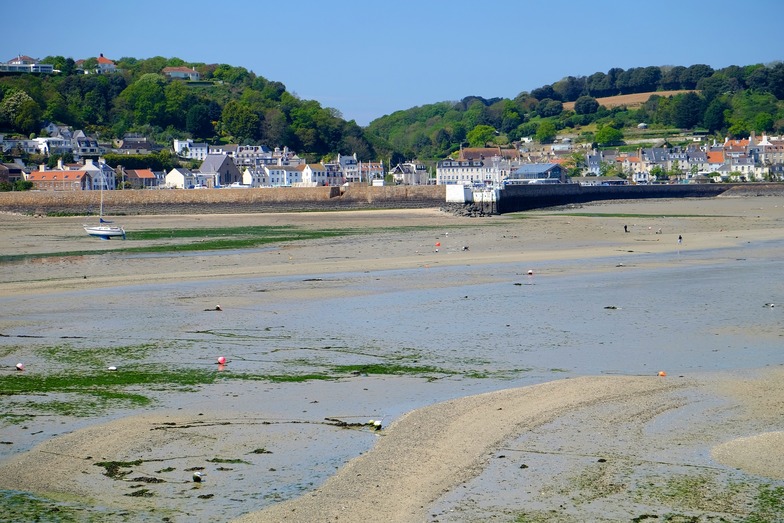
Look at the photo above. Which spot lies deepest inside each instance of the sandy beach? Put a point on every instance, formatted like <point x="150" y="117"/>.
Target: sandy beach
<point x="540" y="397"/>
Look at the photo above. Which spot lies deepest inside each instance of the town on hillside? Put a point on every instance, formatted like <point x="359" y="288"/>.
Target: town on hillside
<point x="81" y="165"/>
<point x="753" y="159"/>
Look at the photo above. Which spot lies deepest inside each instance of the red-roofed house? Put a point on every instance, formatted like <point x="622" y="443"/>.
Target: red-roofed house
<point x="105" y="65"/>
<point x="60" y="180"/>
<point x="141" y="178"/>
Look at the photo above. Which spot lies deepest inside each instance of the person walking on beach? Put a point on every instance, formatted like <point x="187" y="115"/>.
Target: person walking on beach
<point x="625" y="228"/>
<point x="680" y="239"/>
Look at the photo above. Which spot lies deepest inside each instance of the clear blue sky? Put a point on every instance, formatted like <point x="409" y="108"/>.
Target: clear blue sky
<point x="368" y="58"/>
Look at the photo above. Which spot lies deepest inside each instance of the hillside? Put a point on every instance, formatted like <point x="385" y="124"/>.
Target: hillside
<point x="230" y="104"/>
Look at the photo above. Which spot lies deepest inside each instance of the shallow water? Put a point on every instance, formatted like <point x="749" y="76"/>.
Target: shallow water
<point x="486" y="328"/>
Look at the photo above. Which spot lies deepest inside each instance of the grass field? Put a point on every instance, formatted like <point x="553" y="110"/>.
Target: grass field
<point x="629" y="100"/>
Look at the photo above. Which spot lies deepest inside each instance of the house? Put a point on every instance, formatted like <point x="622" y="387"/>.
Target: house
<point x="60" y="180"/>
<point x="371" y="170"/>
<point x="284" y="175"/>
<point x="409" y="173"/>
<point x="221" y="169"/>
<point x="180" y="178"/>
<point x="100" y="174"/>
<point x="184" y="73"/>
<point x="465" y="172"/>
<point x="318" y="174"/>
<point x="105" y="65"/>
<point x="191" y="150"/>
<point x="53" y="145"/>
<point x="18" y="147"/>
<point x="25" y="64"/>
<point x="350" y="168"/>
<point x="254" y="177"/>
<point x="140" y="178"/>
<point x="11" y="172"/>
<point x="83" y="146"/>
<point x="537" y="173"/>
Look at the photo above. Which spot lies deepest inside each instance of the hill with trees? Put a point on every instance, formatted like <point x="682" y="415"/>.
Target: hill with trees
<point x="233" y="105"/>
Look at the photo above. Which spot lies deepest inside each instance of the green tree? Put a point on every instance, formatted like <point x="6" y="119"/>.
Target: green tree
<point x="687" y="110"/>
<point x="657" y="173"/>
<point x="480" y="135"/>
<point x="575" y="164"/>
<point x="240" y="121"/>
<point x="20" y="111"/>
<point x="586" y="105"/>
<point x="146" y="100"/>
<point x="713" y="118"/>
<point x="198" y="123"/>
<point x="608" y="135"/>
<point x="545" y="132"/>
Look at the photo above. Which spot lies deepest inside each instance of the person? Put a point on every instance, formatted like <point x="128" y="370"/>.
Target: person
<point x="680" y="239"/>
<point x="625" y="228"/>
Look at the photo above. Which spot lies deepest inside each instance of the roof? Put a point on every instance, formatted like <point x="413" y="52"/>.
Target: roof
<point x="103" y="60"/>
<point x="535" y="168"/>
<point x="212" y="163"/>
<point x="181" y="69"/>
<point x="474" y="153"/>
<point x="716" y="157"/>
<point x="140" y="173"/>
<point x="22" y="59"/>
<point x="56" y="176"/>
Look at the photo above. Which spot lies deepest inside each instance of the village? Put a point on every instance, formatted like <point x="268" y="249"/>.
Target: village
<point x="753" y="159"/>
<point x="694" y="159"/>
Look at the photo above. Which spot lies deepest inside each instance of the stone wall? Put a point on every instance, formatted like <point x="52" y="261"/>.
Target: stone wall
<point x="525" y="197"/>
<point x="222" y="201"/>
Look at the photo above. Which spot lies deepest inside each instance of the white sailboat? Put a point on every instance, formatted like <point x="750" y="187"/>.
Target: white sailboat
<point x="105" y="230"/>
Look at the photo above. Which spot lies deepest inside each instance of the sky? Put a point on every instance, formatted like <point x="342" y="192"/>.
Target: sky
<point x="369" y="58"/>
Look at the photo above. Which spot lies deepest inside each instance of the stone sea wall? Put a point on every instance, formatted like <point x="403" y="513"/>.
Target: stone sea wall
<point x="290" y="199"/>
<point x="222" y="201"/>
<point x="526" y="197"/>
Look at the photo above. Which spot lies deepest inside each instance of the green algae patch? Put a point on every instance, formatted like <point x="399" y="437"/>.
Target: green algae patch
<point x="114" y="469"/>
<point x="389" y="369"/>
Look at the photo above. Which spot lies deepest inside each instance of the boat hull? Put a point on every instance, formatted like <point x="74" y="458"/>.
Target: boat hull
<point x="105" y="232"/>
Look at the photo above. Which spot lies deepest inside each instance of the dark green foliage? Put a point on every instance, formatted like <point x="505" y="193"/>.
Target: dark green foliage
<point x="586" y="105"/>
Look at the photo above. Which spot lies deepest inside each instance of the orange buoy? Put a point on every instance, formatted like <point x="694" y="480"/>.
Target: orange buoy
<point x="662" y="373"/>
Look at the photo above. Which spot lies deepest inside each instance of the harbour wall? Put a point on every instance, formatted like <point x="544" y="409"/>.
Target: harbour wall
<point x="515" y="198"/>
<point x="291" y="199"/>
<point x="223" y="201"/>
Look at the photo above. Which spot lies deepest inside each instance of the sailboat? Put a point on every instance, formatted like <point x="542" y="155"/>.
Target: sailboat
<point x="105" y="230"/>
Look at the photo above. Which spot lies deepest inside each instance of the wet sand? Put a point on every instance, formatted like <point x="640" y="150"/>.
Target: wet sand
<point x="439" y="462"/>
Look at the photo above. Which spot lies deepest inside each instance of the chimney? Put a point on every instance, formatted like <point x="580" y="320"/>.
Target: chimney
<point x="60" y="164"/>
<point x="42" y="167"/>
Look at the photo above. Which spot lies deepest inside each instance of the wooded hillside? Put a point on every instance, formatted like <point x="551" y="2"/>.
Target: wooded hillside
<point x="233" y="105"/>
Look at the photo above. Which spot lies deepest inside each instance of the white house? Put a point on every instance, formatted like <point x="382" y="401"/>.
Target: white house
<point x="180" y="178"/>
<point x="101" y="174"/>
<point x="254" y="177"/>
<point x="318" y="174"/>
<point x="284" y="175"/>
<point x="350" y="167"/>
<point x="410" y="173"/>
<point x="184" y="73"/>
<point x="191" y="150"/>
<point x="466" y="172"/>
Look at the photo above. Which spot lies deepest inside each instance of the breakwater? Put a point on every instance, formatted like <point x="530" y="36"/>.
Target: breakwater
<point x="526" y="197"/>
